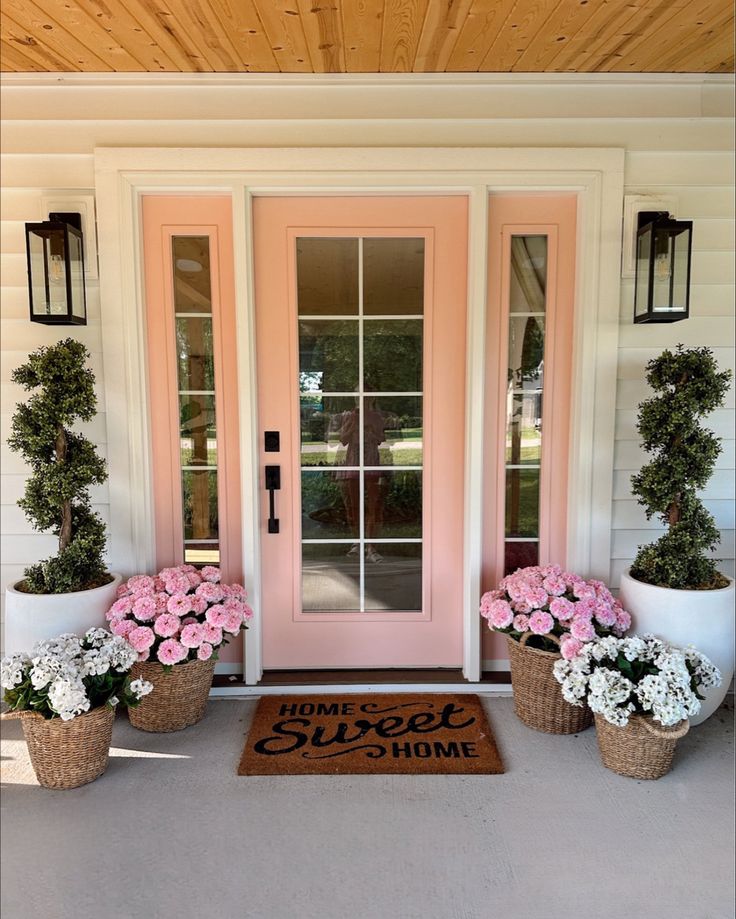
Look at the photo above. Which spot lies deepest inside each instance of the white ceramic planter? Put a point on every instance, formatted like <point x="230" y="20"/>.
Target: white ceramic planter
<point x="703" y="618"/>
<point x="36" y="617"/>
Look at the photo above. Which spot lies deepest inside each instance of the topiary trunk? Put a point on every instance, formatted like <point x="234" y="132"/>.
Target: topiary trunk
<point x="63" y="466"/>
<point x="689" y="386"/>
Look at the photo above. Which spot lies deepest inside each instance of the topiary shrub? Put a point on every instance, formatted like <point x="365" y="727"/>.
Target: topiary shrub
<point x="689" y="385"/>
<point x="64" y="465"/>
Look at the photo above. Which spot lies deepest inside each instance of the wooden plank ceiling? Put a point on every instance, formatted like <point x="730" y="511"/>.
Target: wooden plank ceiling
<point x="367" y="36"/>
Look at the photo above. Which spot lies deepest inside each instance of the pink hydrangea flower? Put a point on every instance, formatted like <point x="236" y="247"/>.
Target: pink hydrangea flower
<point x="179" y="604"/>
<point x="158" y="583"/>
<point x="141" y="638"/>
<point x="582" y="629"/>
<point x="570" y="647"/>
<point x="191" y="635"/>
<point x="141" y="584"/>
<point x="623" y="620"/>
<point x="171" y="651"/>
<point x="583" y="591"/>
<point x="247" y="612"/>
<point x="562" y="609"/>
<point x="541" y="623"/>
<point x="605" y="615"/>
<point x="536" y="597"/>
<point x="215" y="615"/>
<point x="521" y="623"/>
<point x="189" y="620"/>
<point x="210" y="592"/>
<point x="199" y="605"/>
<point x="167" y="625"/>
<point x="211" y="573"/>
<point x="237" y="590"/>
<point x="233" y="621"/>
<point x="194" y="579"/>
<point x="554" y="585"/>
<point x="144" y="608"/>
<point x="500" y="614"/>
<point x="585" y="609"/>
<point x="162" y="600"/>
<point x="211" y="634"/>
<point x="177" y="583"/>
<point x="204" y="651"/>
<point x="522" y="607"/>
<point x="122" y="627"/>
<point x="121" y="607"/>
<point x="121" y="591"/>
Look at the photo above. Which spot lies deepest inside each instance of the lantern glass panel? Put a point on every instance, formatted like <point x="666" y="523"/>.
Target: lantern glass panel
<point x="662" y="271"/>
<point x="48" y="272"/>
<point x="643" y="249"/>
<point x="76" y="271"/>
<point x="680" y="266"/>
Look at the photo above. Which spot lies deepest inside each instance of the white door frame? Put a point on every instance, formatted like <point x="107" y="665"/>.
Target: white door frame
<point x="594" y="174"/>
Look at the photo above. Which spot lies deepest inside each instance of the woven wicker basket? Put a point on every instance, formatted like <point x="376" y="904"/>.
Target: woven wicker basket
<point x="538" y="696"/>
<point x="642" y="749"/>
<point x="179" y="697"/>
<point x="67" y="754"/>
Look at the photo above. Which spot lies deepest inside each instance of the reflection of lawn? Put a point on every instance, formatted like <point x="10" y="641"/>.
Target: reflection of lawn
<point x="525" y="455"/>
<point x="403" y="456"/>
<point x="187" y="454"/>
<point x="523" y="518"/>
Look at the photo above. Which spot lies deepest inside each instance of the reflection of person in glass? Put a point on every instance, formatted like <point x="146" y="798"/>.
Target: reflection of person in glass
<point x="374" y="433"/>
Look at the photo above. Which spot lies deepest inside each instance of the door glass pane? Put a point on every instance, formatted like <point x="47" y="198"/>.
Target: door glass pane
<point x="393" y="424"/>
<point x="524" y="428"/>
<point x="197" y="426"/>
<point x="200" y="504"/>
<point x="330" y="578"/>
<point x="192" y="282"/>
<point x="329" y="430"/>
<point x="526" y="351"/>
<point x="330" y="504"/>
<point x="328" y="356"/>
<point x="393" y="277"/>
<point x="392" y="355"/>
<point x="351" y="419"/>
<point x="393" y="576"/>
<point x="393" y="504"/>
<point x="528" y="275"/>
<point x="522" y="502"/>
<point x="520" y="555"/>
<point x="327" y="276"/>
<point x="196" y="354"/>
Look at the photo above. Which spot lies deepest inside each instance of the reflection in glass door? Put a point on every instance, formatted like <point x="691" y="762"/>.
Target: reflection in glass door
<point x="360" y="305"/>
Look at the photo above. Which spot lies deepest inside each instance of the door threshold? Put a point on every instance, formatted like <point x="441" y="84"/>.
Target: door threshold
<point x="283" y="682"/>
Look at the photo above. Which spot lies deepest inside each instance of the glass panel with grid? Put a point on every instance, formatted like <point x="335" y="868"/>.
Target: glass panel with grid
<point x="361" y="333"/>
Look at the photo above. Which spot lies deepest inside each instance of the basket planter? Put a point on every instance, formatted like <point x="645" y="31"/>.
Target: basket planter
<point x="538" y="699"/>
<point x="67" y="754"/>
<point x="642" y="749"/>
<point x="179" y="697"/>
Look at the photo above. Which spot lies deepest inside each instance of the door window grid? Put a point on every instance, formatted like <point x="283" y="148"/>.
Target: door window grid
<point x="524" y="413"/>
<point x="199" y="504"/>
<point x="359" y="394"/>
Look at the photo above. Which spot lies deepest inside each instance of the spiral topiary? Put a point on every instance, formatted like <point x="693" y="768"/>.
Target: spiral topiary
<point x="64" y="464"/>
<point x="689" y="385"/>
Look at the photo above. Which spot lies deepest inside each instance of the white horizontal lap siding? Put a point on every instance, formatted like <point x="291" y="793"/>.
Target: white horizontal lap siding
<point x="23" y="186"/>
<point x="702" y="183"/>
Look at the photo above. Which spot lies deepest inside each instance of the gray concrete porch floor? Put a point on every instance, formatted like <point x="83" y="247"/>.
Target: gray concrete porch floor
<point x="171" y="832"/>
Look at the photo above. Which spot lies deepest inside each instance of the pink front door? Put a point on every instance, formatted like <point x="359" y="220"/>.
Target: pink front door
<point x="360" y="326"/>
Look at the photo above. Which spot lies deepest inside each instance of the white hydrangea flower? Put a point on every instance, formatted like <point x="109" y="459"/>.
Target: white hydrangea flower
<point x="68" y="698"/>
<point x="12" y="669"/>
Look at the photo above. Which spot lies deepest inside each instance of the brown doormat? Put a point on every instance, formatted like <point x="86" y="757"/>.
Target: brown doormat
<point x="381" y="733"/>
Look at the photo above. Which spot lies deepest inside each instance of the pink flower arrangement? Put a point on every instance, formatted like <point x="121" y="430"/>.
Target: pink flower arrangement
<point x="179" y="615"/>
<point x="547" y="601"/>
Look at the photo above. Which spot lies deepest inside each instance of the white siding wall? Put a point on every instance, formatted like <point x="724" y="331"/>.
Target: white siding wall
<point x="677" y="133"/>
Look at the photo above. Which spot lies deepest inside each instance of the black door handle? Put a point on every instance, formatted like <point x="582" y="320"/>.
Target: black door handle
<point x="273" y="483"/>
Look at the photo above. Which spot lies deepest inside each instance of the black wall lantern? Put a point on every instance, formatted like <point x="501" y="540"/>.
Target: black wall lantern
<point x="663" y="248"/>
<point x="56" y="270"/>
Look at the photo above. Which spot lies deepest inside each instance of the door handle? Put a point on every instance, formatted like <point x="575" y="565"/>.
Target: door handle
<point x="273" y="483"/>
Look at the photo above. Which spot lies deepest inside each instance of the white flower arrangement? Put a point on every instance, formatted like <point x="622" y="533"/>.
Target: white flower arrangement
<point x="68" y="676"/>
<point x="619" y="677"/>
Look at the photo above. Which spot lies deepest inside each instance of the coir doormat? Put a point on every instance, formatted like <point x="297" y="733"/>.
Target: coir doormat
<point x="374" y="733"/>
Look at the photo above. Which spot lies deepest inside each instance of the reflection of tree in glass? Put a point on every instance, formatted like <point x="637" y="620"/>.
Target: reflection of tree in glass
<point x="392" y="355"/>
<point x="200" y="504"/>
<point x="328" y="352"/>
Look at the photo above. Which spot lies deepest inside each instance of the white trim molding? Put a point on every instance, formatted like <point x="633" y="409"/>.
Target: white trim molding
<point x="594" y="174"/>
